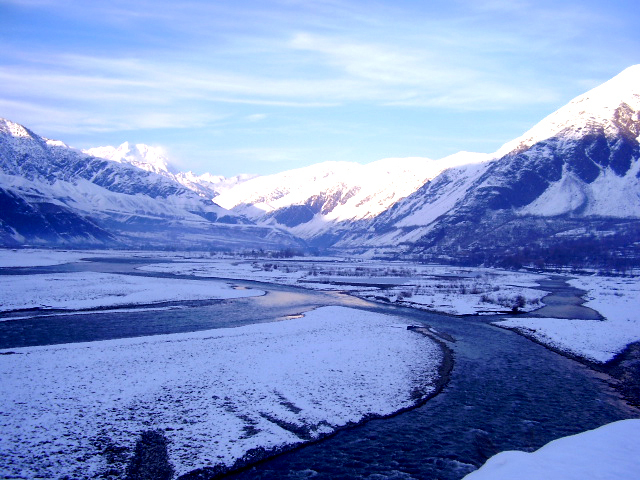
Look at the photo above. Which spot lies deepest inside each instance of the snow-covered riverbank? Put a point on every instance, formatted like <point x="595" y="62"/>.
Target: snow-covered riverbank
<point x="10" y="258"/>
<point x="441" y="288"/>
<point x="215" y="395"/>
<point x="616" y="299"/>
<point x="90" y="290"/>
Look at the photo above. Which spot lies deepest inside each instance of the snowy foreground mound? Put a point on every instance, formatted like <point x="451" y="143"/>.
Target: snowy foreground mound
<point x="77" y="409"/>
<point x="609" y="452"/>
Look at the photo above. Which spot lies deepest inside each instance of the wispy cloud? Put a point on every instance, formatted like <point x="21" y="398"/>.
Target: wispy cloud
<point x="263" y="154"/>
<point x="313" y="64"/>
<point x="256" y="117"/>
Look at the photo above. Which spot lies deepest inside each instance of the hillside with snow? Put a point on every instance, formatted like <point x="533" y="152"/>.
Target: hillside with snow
<point x="567" y="188"/>
<point x="54" y="195"/>
<point x="573" y="178"/>
<point x="154" y="159"/>
<point x="329" y="197"/>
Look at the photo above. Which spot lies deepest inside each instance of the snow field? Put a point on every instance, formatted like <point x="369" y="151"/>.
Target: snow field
<point x="36" y="257"/>
<point x="607" y="453"/>
<point x="85" y="290"/>
<point x="616" y="299"/>
<point x="215" y="394"/>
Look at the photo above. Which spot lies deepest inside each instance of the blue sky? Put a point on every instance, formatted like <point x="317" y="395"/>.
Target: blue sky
<point x="264" y="86"/>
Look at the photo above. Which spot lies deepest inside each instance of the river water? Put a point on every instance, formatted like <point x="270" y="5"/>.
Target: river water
<point x="505" y="392"/>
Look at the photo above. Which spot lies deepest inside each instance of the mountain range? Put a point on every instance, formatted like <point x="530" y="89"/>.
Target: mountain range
<point x="54" y="195"/>
<point x="568" y="190"/>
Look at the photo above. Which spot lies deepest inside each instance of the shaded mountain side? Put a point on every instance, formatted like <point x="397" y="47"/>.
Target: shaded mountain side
<point x="53" y="195"/>
<point x="571" y="182"/>
<point x="46" y="223"/>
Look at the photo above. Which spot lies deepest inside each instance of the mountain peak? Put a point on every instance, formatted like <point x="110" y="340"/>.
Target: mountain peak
<point x="139" y="155"/>
<point x="13" y="129"/>
<point x="597" y="107"/>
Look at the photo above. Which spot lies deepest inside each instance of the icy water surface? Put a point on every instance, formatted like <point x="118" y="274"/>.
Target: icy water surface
<point x="48" y="328"/>
<point x="564" y="301"/>
<point x="505" y="391"/>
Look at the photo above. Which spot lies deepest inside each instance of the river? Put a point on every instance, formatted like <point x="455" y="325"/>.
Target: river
<point x="505" y="392"/>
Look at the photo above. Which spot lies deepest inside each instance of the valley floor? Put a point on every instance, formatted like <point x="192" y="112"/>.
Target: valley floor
<point x="76" y="410"/>
<point x="265" y="389"/>
<point x="456" y="291"/>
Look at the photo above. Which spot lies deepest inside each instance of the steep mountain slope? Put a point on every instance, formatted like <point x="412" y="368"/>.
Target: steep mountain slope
<point x="322" y="201"/>
<point x="575" y="175"/>
<point x="153" y="159"/>
<point x="54" y="195"/>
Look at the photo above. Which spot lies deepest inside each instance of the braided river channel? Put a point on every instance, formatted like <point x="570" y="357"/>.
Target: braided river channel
<point x="504" y="391"/>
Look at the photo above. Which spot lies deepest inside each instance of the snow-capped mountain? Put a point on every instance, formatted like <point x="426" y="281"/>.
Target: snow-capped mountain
<point x="327" y="198"/>
<point x="570" y="184"/>
<point x="575" y="175"/>
<point x="153" y="159"/>
<point x="55" y="195"/>
<point x="145" y="157"/>
<point x="209" y="185"/>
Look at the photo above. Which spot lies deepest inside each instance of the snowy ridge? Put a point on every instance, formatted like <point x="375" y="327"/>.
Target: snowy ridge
<point x="410" y="218"/>
<point x="579" y="168"/>
<point x="576" y="170"/>
<point x="312" y="200"/>
<point x="459" y="181"/>
<point x="211" y="184"/>
<point x="57" y="195"/>
<point x="597" y="106"/>
<point x="154" y="159"/>
<point x="145" y="157"/>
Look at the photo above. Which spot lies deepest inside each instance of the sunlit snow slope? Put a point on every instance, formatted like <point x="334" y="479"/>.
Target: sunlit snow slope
<point x="154" y="159"/>
<point x="331" y="196"/>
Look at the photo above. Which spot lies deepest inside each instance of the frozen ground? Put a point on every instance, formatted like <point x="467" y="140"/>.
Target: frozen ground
<point x="67" y="410"/>
<point x="448" y="289"/>
<point x="86" y="290"/>
<point x="610" y="452"/>
<point x="26" y="257"/>
<point x="37" y="258"/>
<point x="616" y="299"/>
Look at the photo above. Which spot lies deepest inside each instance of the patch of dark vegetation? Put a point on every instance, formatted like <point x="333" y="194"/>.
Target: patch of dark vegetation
<point x="610" y="246"/>
<point x="115" y="457"/>
<point x="625" y="368"/>
<point x="150" y="459"/>
<point x="285" y="402"/>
